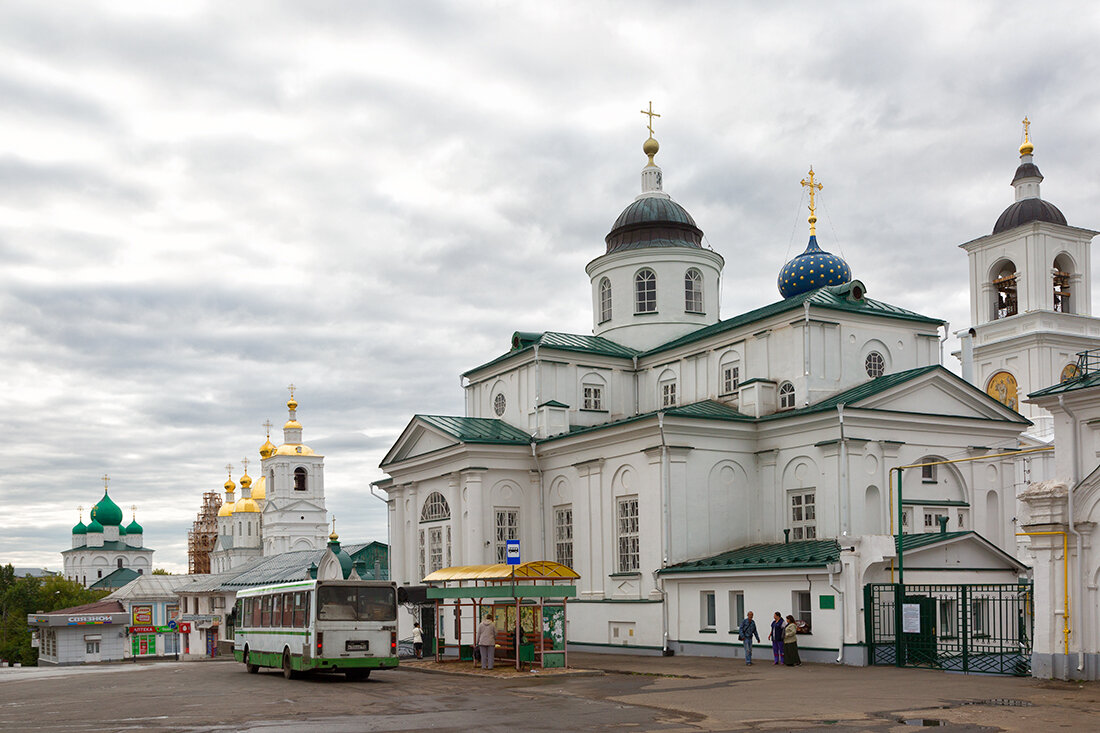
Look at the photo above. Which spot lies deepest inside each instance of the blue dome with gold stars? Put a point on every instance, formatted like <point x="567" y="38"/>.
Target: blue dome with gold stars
<point x="815" y="268"/>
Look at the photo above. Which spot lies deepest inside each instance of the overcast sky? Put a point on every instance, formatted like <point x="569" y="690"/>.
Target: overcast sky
<point x="201" y="202"/>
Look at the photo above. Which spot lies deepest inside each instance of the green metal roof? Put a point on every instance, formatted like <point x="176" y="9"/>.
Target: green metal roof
<point x="915" y="541"/>
<point x="115" y="579"/>
<point x="771" y="556"/>
<point x="830" y="298"/>
<point x="1072" y="385"/>
<point x="113" y="545"/>
<point x="708" y="409"/>
<point x="523" y="340"/>
<point x="476" y="429"/>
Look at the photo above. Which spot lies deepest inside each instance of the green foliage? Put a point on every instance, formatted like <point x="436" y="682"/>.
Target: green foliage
<point x="22" y="596"/>
<point x="160" y="571"/>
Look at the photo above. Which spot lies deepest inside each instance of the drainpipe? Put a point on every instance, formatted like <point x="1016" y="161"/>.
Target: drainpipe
<point x="387" y="502"/>
<point x="946" y="334"/>
<point x="842" y="478"/>
<point x="667" y="535"/>
<point x="843" y="615"/>
<point x="806" y="348"/>
<point x="1073" y="530"/>
<point x="538" y="380"/>
<point x="542" y="498"/>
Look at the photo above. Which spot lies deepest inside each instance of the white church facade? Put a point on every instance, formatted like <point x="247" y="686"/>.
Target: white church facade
<point x="691" y="468"/>
<point x="281" y="511"/>
<point x="106" y="544"/>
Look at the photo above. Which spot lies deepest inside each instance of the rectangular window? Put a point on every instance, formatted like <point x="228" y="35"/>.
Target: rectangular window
<point x="979" y="617"/>
<point x="265" y="614"/>
<point x="948" y="609"/>
<point x="800" y="602"/>
<point x="593" y="397"/>
<point x="423" y="555"/>
<point x="507" y="528"/>
<point x="962" y="518"/>
<point x="668" y="394"/>
<point x="730" y="379"/>
<point x="627" y="513"/>
<point x="255" y="604"/>
<point x="563" y="535"/>
<point x="447" y="547"/>
<point x="707" y="618"/>
<point x="803" y="515"/>
<point x="277" y="610"/>
<point x="435" y="549"/>
<point x="928" y="474"/>
<point x="737" y="609"/>
<point x="92" y="647"/>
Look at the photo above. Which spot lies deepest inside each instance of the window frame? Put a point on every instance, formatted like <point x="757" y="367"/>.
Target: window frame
<point x="436" y="508"/>
<point x="708" y="611"/>
<point x="301" y="479"/>
<point x="786" y="396"/>
<point x="801" y="613"/>
<point x="592" y="397"/>
<point x="874" y="362"/>
<point x="563" y="535"/>
<point x="627" y="536"/>
<point x="605" y="302"/>
<point x="502" y="532"/>
<point x="500" y="404"/>
<point x="645" y="291"/>
<point x="667" y="393"/>
<point x="731" y="377"/>
<point x="693" y="292"/>
<point x="802" y="515"/>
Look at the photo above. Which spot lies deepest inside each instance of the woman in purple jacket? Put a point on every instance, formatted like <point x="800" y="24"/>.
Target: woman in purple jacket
<point x="776" y="637"/>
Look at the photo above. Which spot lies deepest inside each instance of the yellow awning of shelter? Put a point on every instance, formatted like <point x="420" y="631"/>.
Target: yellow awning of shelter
<point x="534" y="570"/>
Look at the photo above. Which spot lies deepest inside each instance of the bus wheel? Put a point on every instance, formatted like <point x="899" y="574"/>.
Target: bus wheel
<point x="252" y="668"/>
<point x="356" y="675"/>
<point x="288" y="671"/>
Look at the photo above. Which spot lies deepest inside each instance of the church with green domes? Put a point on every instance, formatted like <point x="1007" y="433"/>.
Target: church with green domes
<point x="105" y="544"/>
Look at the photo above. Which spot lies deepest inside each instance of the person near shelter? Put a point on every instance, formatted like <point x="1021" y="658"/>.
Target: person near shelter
<point x="790" y="643"/>
<point x="776" y="637"/>
<point x="487" y="641"/>
<point x="418" y="641"/>
<point x="745" y="632"/>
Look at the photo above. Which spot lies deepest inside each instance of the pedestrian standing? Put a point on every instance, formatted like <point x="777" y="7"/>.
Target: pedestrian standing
<point x="745" y="632"/>
<point x="487" y="641"/>
<point x="790" y="643"/>
<point x="776" y="638"/>
<point x="418" y="641"/>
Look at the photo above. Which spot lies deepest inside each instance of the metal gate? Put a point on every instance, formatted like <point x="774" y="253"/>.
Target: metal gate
<point x="957" y="627"/>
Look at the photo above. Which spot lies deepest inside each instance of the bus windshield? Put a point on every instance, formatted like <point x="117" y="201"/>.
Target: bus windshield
<point x="352" y="603"/>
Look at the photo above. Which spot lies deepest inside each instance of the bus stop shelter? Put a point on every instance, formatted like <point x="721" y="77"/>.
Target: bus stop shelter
<point x="527" y="603"/>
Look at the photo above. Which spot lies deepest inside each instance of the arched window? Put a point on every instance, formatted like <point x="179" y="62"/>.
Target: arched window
<point x="730" y="372"/>
<point x="645" y="291"/>
<point x="435" y="508"/>
<point x="120" y="563"/>
<point x="1003" y="276"/>
<point x="605" y="300"/>
<point x="786" y="396"/>
<point x="1062" y="273"/>
<point x="299" y="479"/>
<point x="500" y="403"/>
<point x="693" y="291"/>
<point x="875" y="364"/>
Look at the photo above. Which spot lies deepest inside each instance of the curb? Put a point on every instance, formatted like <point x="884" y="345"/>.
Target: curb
<point x="529" y="676"/>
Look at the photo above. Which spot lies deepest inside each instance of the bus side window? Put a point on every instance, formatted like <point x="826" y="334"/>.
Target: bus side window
<point x="266" y="613"/>
<point x="288" y="609"/>
<point x="254" y="604"/>
<point x="299" y="611"/>
<point x="305" y="607"/>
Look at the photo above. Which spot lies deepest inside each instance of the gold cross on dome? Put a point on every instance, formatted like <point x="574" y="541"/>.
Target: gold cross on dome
<point x="334" y="524"/>
<point x="651" y="115"/>
<point x="1027" y="124"/>
<point x="244" y="462"/>
<point x="81" y="510"/>
<point x="268" y="426"/>
<point x="106" y="480"/>
<point x="229" y="470"/>
<point x="811" y="184"/>
<point x="133" y="508"/>
<point x="291" y="388"/>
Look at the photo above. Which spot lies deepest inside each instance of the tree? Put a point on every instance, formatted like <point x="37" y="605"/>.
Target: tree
<point x="22" y="596"/>
<point x="160" y="571"/>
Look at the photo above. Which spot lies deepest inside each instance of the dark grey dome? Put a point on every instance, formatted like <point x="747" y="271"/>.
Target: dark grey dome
<point x="1027" y="170"/>
<point x="653" y="221"/>
<point x="1028" y="210"/>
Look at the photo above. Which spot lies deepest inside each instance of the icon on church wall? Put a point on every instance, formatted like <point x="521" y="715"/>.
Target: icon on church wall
<point x="1070" y="372"/>
<point x="1002" y="387"/>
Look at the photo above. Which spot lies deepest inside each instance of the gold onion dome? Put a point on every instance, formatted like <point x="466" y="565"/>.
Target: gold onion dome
<point x="292" y="425"/>
<point x="1027" y="148"/>
<point x="292" y="404"/>
<point x="650" y="147"/>
<point x="229" y="485"/>
<point x="246" y="481"/>
<point x="245" y="505"/>
<point x="226" y="509"/>
<point x="267" y="449"/>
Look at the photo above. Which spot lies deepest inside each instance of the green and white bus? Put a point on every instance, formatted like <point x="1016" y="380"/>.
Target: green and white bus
<point x="347" y="626"/>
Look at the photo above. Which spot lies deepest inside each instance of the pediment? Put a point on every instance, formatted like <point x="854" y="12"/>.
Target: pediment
<point x="939" y="393"/>
<point x="293" y="505"/>
<point x="970" y="551"/>
<point x="418" y="439"/>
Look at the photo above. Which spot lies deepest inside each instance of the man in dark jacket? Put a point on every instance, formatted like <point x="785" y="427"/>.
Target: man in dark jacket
<point x="745" y="632"/>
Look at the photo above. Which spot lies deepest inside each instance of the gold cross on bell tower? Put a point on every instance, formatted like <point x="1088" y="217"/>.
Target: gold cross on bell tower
<point x="651" y="114"/>
<point x="291" y="388"/>
<point x="106" y="480"/>
<point x="812" y="185"/>
<point x="1027" y="124"/>
<point x="229" y="471"/>
<point x="244" y="462"/>
<point x="267" y="427"/>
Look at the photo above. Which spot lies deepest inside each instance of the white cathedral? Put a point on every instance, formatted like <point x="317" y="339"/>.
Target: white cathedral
<point x="283" y="510"/>
<point x="691" y="468"/>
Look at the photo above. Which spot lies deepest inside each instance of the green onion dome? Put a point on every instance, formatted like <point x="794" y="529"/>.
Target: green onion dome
<point x="813" y="269"/>
<point x="80" y="528"/>
<point x="133" y="528"/>
<point x="121" y="531"/>
<point x="94" y="526"/>
<point x="106" y="512"/>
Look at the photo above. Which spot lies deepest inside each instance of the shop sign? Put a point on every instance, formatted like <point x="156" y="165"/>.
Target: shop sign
<point x="89" y="620"/>
<point x="143" y="644"/>
<point x="143" y="615"/>
<point x="197" y="618"/>
<point x="170" y="628"/>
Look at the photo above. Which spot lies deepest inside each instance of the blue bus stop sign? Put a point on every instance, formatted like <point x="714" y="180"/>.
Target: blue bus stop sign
<point x="512" y="552"/>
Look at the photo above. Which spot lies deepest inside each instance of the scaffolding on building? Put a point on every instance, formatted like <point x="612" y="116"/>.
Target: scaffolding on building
<point x="203" y="534"/>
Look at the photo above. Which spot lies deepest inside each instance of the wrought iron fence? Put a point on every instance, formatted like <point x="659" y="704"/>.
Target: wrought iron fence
<point x="956" y="627"/>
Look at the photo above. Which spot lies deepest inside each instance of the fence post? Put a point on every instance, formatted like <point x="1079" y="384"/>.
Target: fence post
<point x="869" y="622"/>
<point x="964" y="633"/>
<point x="899" y="644"/>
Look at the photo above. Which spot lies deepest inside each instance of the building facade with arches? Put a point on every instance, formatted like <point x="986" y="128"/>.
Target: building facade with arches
<point x="692" y="467"/>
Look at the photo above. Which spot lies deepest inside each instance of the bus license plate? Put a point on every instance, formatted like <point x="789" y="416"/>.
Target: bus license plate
<point x="357" y="646"/>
